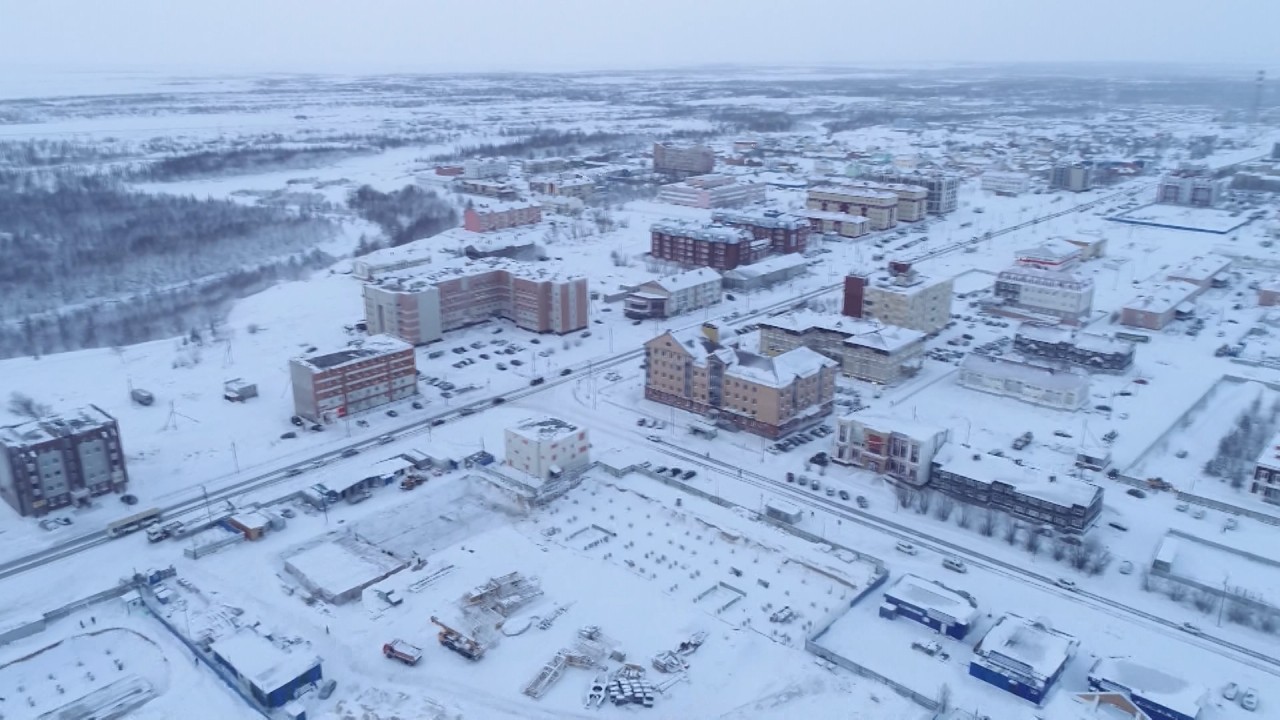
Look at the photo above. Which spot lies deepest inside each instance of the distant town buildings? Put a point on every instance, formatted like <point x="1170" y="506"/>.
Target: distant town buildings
<point x="714" y="246"/>
<point x="496" y="189"/>
<point x="1161" y="305"/>
<point x="420" y="308"/>
<point x="786" y="233"/>
<point x="547" y="448"/>
<point x="1003" y="182"/>
<point x="680" y="161"/>
<point x="711" y="191"/>
<point x="1039" y="384"/>
<point x="942" y="188"/>
<point x="1091" y="352"/>
<point x="768" y="396"/>
<point x="485" y="168"/>
<point x="865" y="350"/>
<point x="577" y="186"/>
<point x="674" y="295"/>
<point x="901" y="449"/>
<point x="329" y="387"/>
<point x="1191" y="187"/>
<point x="1032" y="293"/>
<point x="879" y="207"/>
<point x="491" y="216"/>
<point x="1072" y="177"/>
<point x="766" y="273"/>
<point x="1027" y="494"/>
<point x="1023" y="657"/>
<point x="61" y="460"/>
<point x="900" y="296"/>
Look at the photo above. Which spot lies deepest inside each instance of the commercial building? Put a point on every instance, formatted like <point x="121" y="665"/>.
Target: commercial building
<point x="711" y="191"/>
<point x="766" y="273"/>
<point x="932" y="604"/>
<point x="1160" y="695"/>
<point x="768" y="396"/>
<point x="419" y="309"/>
<point x="943" y="188"/>
<point x="982" y="480"/>
<point x="490" y="216"/>
<point x="1052" y="254"/>
<point x="901" y="449"/>
<point x="1203" y="271"/>
<point x="1266" y="472"/>
<point x="1033" y="293"/>
<point x="61" y="460"/>
<point x="866" y="350"/>
<point x="674" y="295"/>
<point x="1035" y="383"/>
<point x="485" y="168"/>
<point x="328" y="387"/>
<point x="879" y="207"/>
<point x="1003" y="182"/>
<point x="1023" y="657"/>
<point x="271" y="674"/>
<point x="1193" y="188"/>
<point x="899" y="296"/>
<point x="698" y="244"/>
<point x="786" y="233"/>
<point x="578" y="186"/>
<point x="1092" y="352"/>
<point x="1161" y="305"/>
<point x="1072" y="177"/>
<point x="547" y="448"/>
<point x="835" y="223"/>
<point x="682" y="161"/>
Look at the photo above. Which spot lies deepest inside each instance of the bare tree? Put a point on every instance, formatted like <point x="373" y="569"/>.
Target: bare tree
<point x="1059" y="549"/>
<point x="1011" y="528"/>
<point x="23" y="405"/>
<point x="1177" y="591"/>
<point x="965" y="518"/>
<point x="1032" y="542"/>
<point x="944" y="699"/>
<point x="923" y="498"/>
<point x="904" y="494"/>
<point x="987" y="522"/>
<point x="943" y="507"/>
<point x="1205" y="601"/>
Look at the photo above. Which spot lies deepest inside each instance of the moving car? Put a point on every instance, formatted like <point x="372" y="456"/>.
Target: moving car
<point x="907" y="548"/>
<point x="955" y="564"/>
<point x="1066" y="584"/>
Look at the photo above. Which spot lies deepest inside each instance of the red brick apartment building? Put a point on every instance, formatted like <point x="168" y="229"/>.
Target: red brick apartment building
<point x="489" y="217"/>
<point x="338" y="384"/>
<point x="713" y="246"/>
<point x="786" y="233"/>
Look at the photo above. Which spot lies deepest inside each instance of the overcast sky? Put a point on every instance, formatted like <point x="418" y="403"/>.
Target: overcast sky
<point x="481" y="35"/>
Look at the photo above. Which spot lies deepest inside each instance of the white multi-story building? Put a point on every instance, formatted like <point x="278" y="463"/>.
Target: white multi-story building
<point x="1061" y="389"/>
<point x="669" y="296"/>
<point x="1196" y="188"/>
<point x="485" y="168"/>
<point x="712" y="191"/>
<point x="943" y="188"/>
<point x="1031" y="292"/>
<point x="547" y="448"/>
<point x="902" y="297"/>
<point x="901" y="449"/>
<point x="1002" y="182"/>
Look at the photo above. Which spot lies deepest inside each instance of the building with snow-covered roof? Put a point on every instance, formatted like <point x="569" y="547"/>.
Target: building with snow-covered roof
<point x="1052" y="254"/>
<point x="1204" y="271"/>
<point x="1158" y="694"/>
<point x="1023" y="657"/>
<point x="785" y="232"/>
<point x="675" y="294"/>
<point x="932" y="604"/>
<point x="943" y="188"/>
<point x="1072" y="177"/>
<point x="769" y="396"/>
<point x="575" y="185"/>
<point x="1266" y="472"/>
<point x="1036" y="383"/>
<point x="900" y="296"/>
<point x="712" y="191"/>
<point x="999" y="483"/>
<point x="902" y="449"/>
<point x="699" y="244"/>
<point x="1193" y="188"/>
<point x="59" y="460"/>
<point x="867" y="350"/>
<point x="488" y="216"/>
<point x="837" y="223"/>
<point x="272" y="675"/>
<point x="1033" y="291"/>
<point x="880" y="207"/>
<point x="496" y="189"/>
<point x="376" y="371"/>
<point x="1086" y="350"/>
<point x="766" y="273"/>
<point x="1161" y="305"/>
<point x="682" y="160"/>
<point x="1005" y="182"/>
<point x="338" y="571"/>
<point x="547" y="448"/>
<point x="485" y="168"/>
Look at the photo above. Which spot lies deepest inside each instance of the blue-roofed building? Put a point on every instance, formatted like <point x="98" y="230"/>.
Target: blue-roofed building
<point x="1023" y="657"/>
<point x="271" y="674"/>
<point x="931" y="604"/>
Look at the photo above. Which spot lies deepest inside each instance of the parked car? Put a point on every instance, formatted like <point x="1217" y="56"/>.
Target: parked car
<point x="517" y="363"/>
<point x="537" y="380"/>
<point x="844" y="495"/>
<point x="688" y="475"/>
<point x="499" y="400"/>
<point x="129" y="499"/>
<point x="416" y="405"/>
<point x="392" y="413"/>
<point x="1136" y="492"/>
<point x="566" y="371"/>
<point x="289" y="435"/>
<point x="350" y="452"/>
<point x="1249" y="700"/>
<point x="862" y="502"/>
<point x="653" y="438"/>
<point x="296" y="420"/>
<point x="907" y="548"/>
<point x="1190" y="628"/>
<point x="675" y="471"/>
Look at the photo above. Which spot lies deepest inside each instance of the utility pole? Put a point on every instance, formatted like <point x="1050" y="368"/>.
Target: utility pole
<point x="235" y="458"/>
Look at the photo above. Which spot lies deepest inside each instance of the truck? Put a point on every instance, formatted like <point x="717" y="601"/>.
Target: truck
<point x="402" y="651"/>
<point x="156" y="533"/>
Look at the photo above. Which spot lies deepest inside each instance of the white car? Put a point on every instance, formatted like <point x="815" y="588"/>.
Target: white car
<point x="906" y="547"/>
<point x="1230" y="691"/>
<point x="654" y="438"/>
<point x="1066" y="584"/>
<point x="1190" y="628"/>
<point x="1249" y="700"/>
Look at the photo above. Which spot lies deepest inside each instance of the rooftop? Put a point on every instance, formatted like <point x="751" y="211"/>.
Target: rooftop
<point x="702" y="231"/>
<point x="888" y="423"/>
<point x="932" y="595"/>
<point x="1171" y="692"/>
<point x="686" y="280"/>
<point x="1027" y="272"/>
<point x="774" y="219"/>
<point x="862" y="191"/>
<point x="1063" y="490"/>
<point x="1201" y="269"/>
<point x="54" y="426"/>
<point x="261" y="662"/>
<point x="373" y="346"/>
<point x="1164" y="297"/>
<point x="863" y="333"/>
<point x="780" y="370"/>
<point x="495" y="206"/>
<point x="544" y="429"/>
<point x="770" y="264"/>
<point x="1032" y="643"/>
<point x="1026" y="372"/>
<point x="462" y="267"/>
<point x="835" y="216"/>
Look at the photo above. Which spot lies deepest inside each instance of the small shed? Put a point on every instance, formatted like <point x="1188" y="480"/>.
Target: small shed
<point x="239" y="390"/>
<point x="252" y="524"/>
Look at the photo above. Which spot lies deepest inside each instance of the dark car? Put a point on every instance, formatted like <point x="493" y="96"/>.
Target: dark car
<point x="467" y="411"/>
<point x="675" y="471"/>
<point x="128" y="499"/>
<point x="499" y="400"/>
<point x="661" y="469"/>
<point x="392" y="413"/>
<point x="688" y="475"/>
<point x="296" y="421"/>
<point x="417" y="405"/>
<point x="317" y="427"/>
<point x="537" y="381"/>
<point x="1102" y="408"/>
<point x="350" y="452"/>
<point x="1136" y="492"/>
<point x="566" y="371"/>
<point x="862" y="502"/>
<point x="517" y="363"/>
<point x="437" y="422"/>
<point x="535" y="341"/>
<point x="289" y="435"/>
<point x="844" y="495"/>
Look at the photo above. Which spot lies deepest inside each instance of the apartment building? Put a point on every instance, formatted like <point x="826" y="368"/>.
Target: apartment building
<point x="1192" y="188"/>
<point x="711" y="191"/>
<point x="901" y="297"/>
<point x="714" y="246"/>
<point x="577" y="186"/>
<point x="1023" y="492"/>
<point x="1003" y="182"/>
<point x="879" y="207"/>
<point x="943" y="188"/>
<point x="786" y="233"/>
<point x="1034" y="293"/>
<point x="1089" y="351"/>
<point x="834" y="223"/>
<point x="62" y="460"/>
<point x="675" y="295"/>
<point x="496" y="189"/>
<point x="1072" y="177"/>
<point x="491" y="216"/>
<point x="901" y="449"/>
<point x="1161" y="305"/>
<point x="865" y="350"/>
<point x="1031" y="382"/>
<point x="682" y="160"/>
<point x="485" y="168"/>
<point x="547" y="448"/>
<point x="329" y="387"/>
<point x="768" y="396"/>
<point x="912" y="199"/>
<point x="419" y="309"/>
<point x="543" y="166"/>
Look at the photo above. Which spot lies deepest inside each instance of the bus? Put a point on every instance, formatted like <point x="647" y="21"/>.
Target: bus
<point x="1133" y="337"/>
<point x="134" y="522"/>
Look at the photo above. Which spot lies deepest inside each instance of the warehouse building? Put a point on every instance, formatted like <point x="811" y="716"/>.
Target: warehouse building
<point x="273" y="676"/>
<point x="1023" y="657"/>
<point x="1035" y="383"/>
<point x="931" y="604"/>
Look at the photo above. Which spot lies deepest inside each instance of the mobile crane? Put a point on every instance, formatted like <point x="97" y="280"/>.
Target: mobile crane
<point x="465" y="646"/>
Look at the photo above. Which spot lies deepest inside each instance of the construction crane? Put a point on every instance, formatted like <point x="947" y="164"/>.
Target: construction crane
<point x="464" y="645"/>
